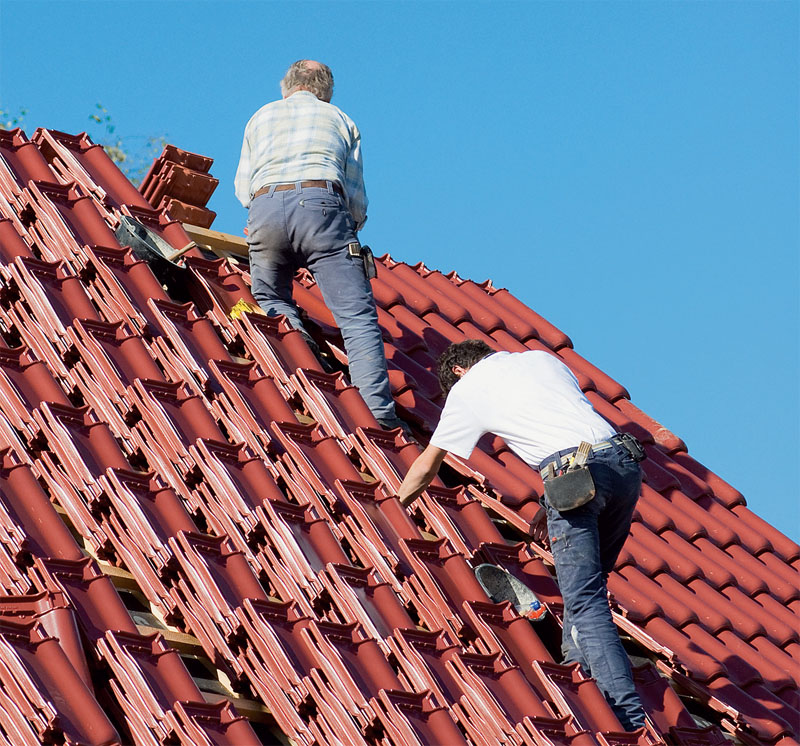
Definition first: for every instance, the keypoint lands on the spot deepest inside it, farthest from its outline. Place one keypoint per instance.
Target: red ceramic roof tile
(602, 383)
(746, 572)
(27, 382)
(729, 525)
(670, 442)
(573, 692)
(690, 736)
(789, 578)
(782, 545)
(385, 294)
(470, 331)
(12, 244)
(61, 705)
(433, 341)
(77, 158)
(686, 652)
(655, 599)
(688, 483)
(415, 292)
(717, 528)
(78, 212)
(424, 380)
(554, 338)
(186, 213)
(468, 516)
(23, 159)
(121, 354)
(656, 552)
(372, 603)
(661, 703)
(219, 285)
(743, 624)
(703, 583)
(766, 724)
(660, 514)
(457, 307)
(452, 333)
(479, 296)
(506, 342)
(776, 618)
(705, 560)
(26, 502)
(618, 418)
(398, 335)
(184, 184)
(123, 282)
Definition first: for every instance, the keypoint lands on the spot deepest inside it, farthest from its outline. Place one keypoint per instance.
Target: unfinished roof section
(199, 541)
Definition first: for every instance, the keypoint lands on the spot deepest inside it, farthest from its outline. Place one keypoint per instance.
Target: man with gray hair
(300, 174)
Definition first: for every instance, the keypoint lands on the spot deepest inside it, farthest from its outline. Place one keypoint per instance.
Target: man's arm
(241, 181)
(421, 474)
(354, 182)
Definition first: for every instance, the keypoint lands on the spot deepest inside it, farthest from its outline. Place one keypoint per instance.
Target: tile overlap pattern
(250, 495)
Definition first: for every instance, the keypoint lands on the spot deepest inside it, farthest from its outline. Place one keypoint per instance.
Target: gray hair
(318, 80)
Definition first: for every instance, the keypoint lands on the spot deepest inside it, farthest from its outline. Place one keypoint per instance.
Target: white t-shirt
(531, 400)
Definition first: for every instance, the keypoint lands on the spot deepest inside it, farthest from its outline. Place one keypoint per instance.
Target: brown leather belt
(303, 184)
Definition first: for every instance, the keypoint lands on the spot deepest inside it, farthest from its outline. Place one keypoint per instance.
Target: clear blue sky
(628, 169)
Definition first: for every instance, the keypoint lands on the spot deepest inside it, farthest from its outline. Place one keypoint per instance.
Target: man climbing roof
(300, 174)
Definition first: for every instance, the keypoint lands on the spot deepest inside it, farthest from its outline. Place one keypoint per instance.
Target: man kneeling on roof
(533, 401)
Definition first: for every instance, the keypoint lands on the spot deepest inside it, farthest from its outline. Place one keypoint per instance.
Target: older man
(533, 401)
(300, 174)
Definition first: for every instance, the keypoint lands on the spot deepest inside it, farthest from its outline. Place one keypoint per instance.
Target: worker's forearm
(414, 484)
(420, 475)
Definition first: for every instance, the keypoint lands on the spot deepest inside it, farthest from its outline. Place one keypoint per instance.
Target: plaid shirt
(301, 138)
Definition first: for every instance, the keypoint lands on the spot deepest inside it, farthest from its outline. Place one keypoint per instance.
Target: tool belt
(568, 483)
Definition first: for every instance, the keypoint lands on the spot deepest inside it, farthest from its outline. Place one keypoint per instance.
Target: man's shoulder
(265, 110)
(335, 112)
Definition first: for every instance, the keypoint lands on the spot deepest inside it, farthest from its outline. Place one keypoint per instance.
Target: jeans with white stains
(585, 543)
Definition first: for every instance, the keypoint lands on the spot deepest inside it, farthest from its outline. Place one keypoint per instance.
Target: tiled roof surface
(187, 500)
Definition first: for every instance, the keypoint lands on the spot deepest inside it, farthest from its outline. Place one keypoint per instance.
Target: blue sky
(627, 169)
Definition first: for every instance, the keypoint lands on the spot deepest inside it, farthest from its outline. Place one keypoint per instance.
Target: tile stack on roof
(181, 183)
(249, 495)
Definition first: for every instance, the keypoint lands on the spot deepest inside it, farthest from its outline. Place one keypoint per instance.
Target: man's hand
(421, 474)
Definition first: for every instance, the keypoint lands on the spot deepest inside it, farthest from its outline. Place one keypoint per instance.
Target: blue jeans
(585, 543)
(311, 228)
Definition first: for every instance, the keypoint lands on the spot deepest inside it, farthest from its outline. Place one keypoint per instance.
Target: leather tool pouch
(633, 446)
(570, 490)
(365, 253)
(369, 262)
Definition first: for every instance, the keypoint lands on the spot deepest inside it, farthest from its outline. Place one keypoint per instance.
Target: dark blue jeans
(311, 228)
(585, 543)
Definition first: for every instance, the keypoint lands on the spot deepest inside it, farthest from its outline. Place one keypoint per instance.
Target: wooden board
(224, 244)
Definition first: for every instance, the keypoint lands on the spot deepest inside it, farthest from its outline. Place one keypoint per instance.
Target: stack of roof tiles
(250, 496)
(179, 182)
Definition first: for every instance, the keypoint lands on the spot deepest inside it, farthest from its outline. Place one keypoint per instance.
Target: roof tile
(265, 486)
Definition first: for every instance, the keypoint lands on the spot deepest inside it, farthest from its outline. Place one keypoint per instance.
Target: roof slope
(236, 493)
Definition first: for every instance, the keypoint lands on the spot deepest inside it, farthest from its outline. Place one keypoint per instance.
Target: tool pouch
(570, 490)
(365, 254)
(633, 446)
(370, 270)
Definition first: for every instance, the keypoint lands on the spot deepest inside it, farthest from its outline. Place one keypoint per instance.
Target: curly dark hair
(464, 354)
